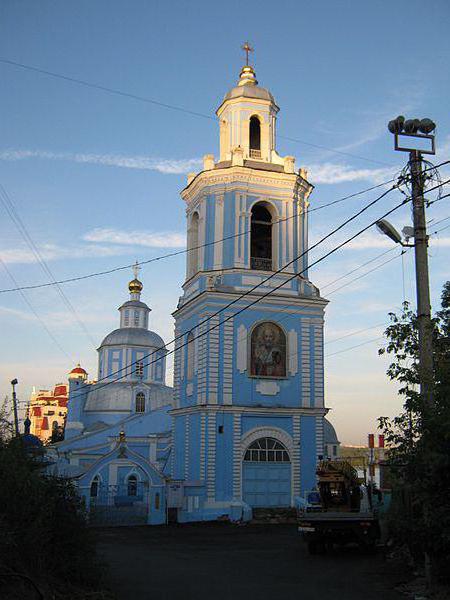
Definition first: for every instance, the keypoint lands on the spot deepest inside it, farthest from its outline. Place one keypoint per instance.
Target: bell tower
(248, 369)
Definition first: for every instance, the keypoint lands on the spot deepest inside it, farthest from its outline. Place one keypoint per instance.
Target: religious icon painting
(268, 351)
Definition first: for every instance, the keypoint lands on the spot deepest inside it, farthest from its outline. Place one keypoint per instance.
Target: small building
(47, 411)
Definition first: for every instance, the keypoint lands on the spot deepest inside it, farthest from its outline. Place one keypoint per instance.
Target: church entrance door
(266, 474)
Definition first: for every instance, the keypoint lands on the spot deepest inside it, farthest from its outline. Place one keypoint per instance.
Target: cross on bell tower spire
(247, 49)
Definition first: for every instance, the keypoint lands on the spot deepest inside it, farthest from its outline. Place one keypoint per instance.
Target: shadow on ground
(223, 561)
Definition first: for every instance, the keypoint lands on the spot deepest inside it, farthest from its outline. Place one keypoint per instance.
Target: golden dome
(135, 286)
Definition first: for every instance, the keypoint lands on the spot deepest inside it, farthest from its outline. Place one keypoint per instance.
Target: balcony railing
(261, 264)
(255, 153)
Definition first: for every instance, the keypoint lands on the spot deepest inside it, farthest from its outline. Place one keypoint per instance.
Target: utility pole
(422, 281)
(14, 382)
(408, 139)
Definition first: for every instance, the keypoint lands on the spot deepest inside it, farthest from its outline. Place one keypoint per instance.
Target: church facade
(249, 391)
(243, 427)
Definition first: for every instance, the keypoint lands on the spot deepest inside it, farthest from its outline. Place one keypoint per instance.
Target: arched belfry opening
(261, 238)
(255, 137)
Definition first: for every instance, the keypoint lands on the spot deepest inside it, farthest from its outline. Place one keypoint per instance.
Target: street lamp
(14, 382)
(408, 139)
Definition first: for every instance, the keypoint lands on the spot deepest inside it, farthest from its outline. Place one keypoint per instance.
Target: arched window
(193, 245)
(140, 402)
(268, 351)
(132, 485)
(190, 355)
(255, 137)
(266, 450)
(94, 486)
(261, 238)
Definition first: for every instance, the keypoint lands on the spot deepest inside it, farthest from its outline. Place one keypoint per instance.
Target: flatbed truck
(341, 511)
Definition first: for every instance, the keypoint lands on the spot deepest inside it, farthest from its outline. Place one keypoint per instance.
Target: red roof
(60, 390)
(62, 402)
(79, 370)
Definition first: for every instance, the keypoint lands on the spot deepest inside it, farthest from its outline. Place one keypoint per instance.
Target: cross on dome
(136, 269)
(247, 48)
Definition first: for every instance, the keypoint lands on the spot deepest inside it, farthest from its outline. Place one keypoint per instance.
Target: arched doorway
(266, 474)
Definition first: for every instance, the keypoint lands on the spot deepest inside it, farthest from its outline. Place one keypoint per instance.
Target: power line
(353, 347)
(405, 201)
(186, 250)
(34, 311)
(367, 272)
(266, 294)
(174, 107)
(357, 268)
(15, 217)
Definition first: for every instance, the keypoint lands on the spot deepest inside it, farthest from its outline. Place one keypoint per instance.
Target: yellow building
(47, 410)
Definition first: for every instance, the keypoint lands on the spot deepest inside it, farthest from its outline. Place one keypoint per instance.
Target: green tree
(419, 439)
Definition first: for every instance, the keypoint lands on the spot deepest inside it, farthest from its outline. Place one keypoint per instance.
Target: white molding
(213, 362)
(267, 388)
(267, 431)
(293, 352)
(227, 360)
(186, 446)
(211, 468)
(218, 231)
(242, 341)
(237, 456)
(202, 445)
(189, 388)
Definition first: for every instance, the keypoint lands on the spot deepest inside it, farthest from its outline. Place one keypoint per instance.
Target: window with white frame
(140, 402)
(266, 450)
(126, 318)
(132, 485)
(95, 484)
(136, 318)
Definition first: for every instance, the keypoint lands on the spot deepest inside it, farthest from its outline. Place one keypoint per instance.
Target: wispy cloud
(162, 165)
(136, 238)
(51, 252)
(332, 173)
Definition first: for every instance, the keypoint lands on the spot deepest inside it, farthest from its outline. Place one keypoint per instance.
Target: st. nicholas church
(243, 426)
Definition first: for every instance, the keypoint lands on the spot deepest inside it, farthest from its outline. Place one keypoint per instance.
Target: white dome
(133, 336)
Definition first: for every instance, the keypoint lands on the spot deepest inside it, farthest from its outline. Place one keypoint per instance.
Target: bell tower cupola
(247, 119)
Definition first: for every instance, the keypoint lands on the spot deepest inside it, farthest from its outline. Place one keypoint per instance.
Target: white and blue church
(243, 426)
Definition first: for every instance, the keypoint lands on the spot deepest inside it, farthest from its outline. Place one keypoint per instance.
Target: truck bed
(337, 516)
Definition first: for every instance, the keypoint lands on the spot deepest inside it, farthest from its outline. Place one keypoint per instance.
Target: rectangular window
(126, 319)
(136, 318)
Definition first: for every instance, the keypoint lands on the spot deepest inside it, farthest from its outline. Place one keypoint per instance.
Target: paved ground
(220, 561)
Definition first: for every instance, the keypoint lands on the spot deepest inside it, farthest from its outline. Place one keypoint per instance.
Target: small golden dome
(247, 76)
(135, 286)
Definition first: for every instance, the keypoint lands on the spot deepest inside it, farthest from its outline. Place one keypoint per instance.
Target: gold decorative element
(247, 74)
(247, 48)
(135, 286)
(122, 437)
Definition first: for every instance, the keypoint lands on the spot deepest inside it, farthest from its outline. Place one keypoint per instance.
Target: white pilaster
(227, 361)
(211, 470)
(305, 366)
(237, 458)
(218, 234)
(295, 458)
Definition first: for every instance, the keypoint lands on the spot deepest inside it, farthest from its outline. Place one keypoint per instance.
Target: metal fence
(114, 505)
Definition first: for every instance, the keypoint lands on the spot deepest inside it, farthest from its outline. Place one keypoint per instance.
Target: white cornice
(254, 410)
(239, 178)
(299, 301)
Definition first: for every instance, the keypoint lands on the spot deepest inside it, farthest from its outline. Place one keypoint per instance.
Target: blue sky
(85, 169)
